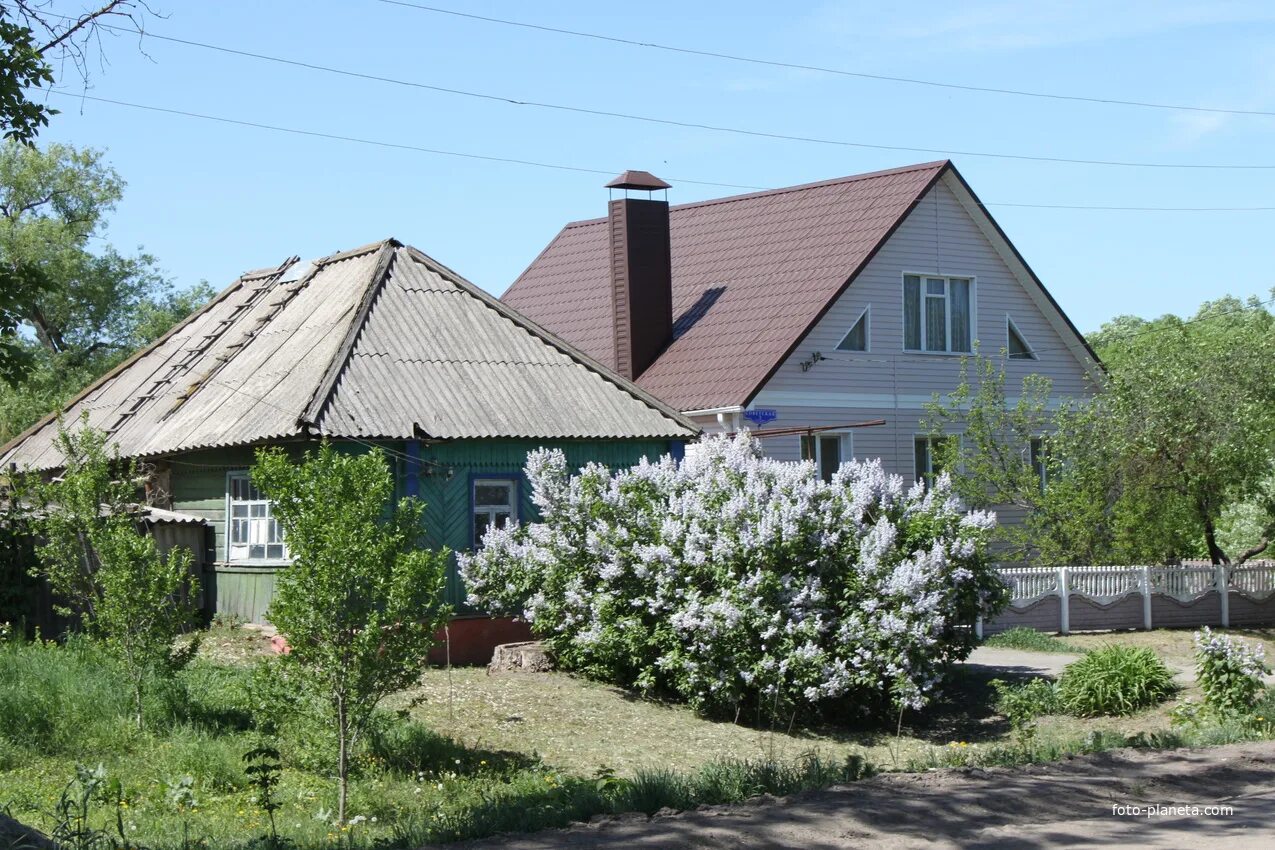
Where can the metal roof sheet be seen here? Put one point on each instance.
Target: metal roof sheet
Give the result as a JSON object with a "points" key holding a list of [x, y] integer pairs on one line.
{"points": [[750, 274], [380, 341]]}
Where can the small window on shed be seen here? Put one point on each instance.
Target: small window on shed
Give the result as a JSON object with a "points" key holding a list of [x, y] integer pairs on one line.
{"points": [[1016, 345], [857, 338]]}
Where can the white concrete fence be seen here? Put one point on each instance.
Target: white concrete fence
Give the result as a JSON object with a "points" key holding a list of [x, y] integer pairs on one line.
{"points": [[1066, 599]]}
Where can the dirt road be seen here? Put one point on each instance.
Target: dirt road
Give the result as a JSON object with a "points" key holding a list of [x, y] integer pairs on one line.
{"points": [[1067, 804]]}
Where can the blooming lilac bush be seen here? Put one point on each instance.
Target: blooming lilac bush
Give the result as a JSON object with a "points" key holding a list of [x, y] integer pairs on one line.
{"points": [[736, 581], [1229, 671]]}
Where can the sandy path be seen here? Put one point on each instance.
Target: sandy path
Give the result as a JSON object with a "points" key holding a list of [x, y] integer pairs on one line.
{"points": [[1066, 804]]}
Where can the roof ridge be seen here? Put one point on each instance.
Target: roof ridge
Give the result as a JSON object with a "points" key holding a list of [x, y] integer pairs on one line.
{"points": [[550, 338], [387, 249], [935, 165]]}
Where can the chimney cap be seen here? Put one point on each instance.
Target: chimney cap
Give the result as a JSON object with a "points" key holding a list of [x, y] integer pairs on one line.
{"points": [[644, 180]]}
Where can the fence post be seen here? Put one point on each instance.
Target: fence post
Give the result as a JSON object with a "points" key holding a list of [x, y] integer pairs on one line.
{"points": [[1064, 606], [1222, 580], [1146, 598]]}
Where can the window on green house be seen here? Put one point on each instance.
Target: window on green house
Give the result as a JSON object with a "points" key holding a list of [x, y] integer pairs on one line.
{"points": [[252, 534], [494, 505]]}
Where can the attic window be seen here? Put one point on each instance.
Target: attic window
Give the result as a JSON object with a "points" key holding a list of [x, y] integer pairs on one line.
{"points": [[857, 338], [1016, 346], [937, 313]]}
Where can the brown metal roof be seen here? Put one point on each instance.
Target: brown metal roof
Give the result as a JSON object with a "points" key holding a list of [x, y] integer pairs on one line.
{"points": [[751, 274], [380, 341], [638, 180]]}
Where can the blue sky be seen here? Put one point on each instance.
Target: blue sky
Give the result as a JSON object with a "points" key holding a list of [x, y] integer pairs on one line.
{"points": [[211, 200]]}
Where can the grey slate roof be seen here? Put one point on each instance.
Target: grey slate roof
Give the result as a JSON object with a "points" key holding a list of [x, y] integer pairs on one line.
{"points": [[381, 341]]}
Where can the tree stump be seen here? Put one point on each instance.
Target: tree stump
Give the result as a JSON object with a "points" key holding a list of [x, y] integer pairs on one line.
{"points": [[525, 657]]}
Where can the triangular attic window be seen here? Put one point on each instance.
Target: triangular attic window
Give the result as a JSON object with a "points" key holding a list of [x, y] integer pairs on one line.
{"points": [[1016, 346], [857, 338]]}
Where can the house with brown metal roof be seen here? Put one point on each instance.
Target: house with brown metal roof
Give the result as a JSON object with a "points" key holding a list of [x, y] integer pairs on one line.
{"points": [[802, 312], [377, 346]]}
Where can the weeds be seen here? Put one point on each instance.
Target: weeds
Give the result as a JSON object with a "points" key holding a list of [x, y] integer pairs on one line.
{"points": [[1030, 640], [1114, 680]]}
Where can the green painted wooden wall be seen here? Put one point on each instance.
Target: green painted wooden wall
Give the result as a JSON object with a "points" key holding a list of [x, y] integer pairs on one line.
{"points": [[442, 479]]}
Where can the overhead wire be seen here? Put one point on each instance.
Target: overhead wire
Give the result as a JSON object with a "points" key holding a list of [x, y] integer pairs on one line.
{"points": [[695, 125], [800, 66]]}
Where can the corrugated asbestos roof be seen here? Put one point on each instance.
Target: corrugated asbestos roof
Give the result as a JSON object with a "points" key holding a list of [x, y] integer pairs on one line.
{"points": [[380, 341], [751, 274]]}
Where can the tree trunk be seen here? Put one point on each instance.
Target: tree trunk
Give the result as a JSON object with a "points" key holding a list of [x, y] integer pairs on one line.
{"points": [[137, 704], [1216, 555], [342, 761]]}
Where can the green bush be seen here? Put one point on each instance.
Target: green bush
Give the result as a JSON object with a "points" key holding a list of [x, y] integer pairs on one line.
{"points": [[1114, 680], [1229, 672], [1021, 703]]}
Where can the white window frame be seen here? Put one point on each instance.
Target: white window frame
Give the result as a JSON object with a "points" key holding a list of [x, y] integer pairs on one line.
{"points": [[1011, 326], [491, 510], [864, 316], [846, 445], [947, 297], [243, 475]]}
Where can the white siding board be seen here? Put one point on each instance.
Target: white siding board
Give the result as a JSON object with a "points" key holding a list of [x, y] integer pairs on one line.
{"points": [[940, 237]]}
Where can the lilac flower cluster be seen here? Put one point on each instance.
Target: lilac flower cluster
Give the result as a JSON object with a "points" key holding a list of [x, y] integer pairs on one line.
{"points": [[734, 580]]}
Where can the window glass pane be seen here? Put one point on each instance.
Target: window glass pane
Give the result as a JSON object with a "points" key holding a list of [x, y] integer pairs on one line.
{"points": [[829, 456], [912, 312], [274, 551], [481, 521], [921, 449], [1017, 348], [857, 339], [500, 519], [488, 493], [934, 286], [257, 510], [935, 324], [960, 301], [807, 447], [238, 510], [257, 550]]}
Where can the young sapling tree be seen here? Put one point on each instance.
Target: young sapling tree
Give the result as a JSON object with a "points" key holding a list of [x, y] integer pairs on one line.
{"points": [[363, 599]]}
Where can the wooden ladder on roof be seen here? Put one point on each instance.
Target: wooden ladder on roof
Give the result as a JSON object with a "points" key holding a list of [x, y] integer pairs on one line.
{"points": [[189, 356]]}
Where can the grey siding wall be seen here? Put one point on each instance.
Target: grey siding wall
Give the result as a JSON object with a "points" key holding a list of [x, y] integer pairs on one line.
{"points": [[939, 236]]}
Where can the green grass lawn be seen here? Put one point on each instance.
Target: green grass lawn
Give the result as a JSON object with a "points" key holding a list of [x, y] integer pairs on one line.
{"points": [[463, 753]]}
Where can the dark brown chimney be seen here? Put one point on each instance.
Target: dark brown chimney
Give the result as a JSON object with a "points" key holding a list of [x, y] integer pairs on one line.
{"points": [[641, 273]]}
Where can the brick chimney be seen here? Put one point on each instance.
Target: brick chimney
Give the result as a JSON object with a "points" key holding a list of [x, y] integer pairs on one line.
{"points": [[641, 272]]}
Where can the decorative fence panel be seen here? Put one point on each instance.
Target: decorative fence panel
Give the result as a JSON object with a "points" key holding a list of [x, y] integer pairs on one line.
{"points": [[1066, 599]]}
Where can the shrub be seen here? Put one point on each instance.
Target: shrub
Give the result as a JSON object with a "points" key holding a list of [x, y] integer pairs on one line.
{"points": [[1229, 671], [1114, 680], [1021, 703], [735, 581]]}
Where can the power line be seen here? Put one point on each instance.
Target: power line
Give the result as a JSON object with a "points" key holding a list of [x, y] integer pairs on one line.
{"points": [[561, 167], [376, 142], [774, 63], [693, 125]]}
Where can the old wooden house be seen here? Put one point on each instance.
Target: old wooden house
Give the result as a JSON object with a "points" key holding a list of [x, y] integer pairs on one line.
{"points": [[376, 346]]}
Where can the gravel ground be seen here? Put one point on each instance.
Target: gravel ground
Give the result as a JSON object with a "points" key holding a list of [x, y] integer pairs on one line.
{"points": [[1066, 804]]}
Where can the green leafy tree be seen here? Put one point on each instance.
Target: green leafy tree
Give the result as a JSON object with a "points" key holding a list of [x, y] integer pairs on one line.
{"points": [[1180, 435], [128, 595], [362, 600], [72, 313]]}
